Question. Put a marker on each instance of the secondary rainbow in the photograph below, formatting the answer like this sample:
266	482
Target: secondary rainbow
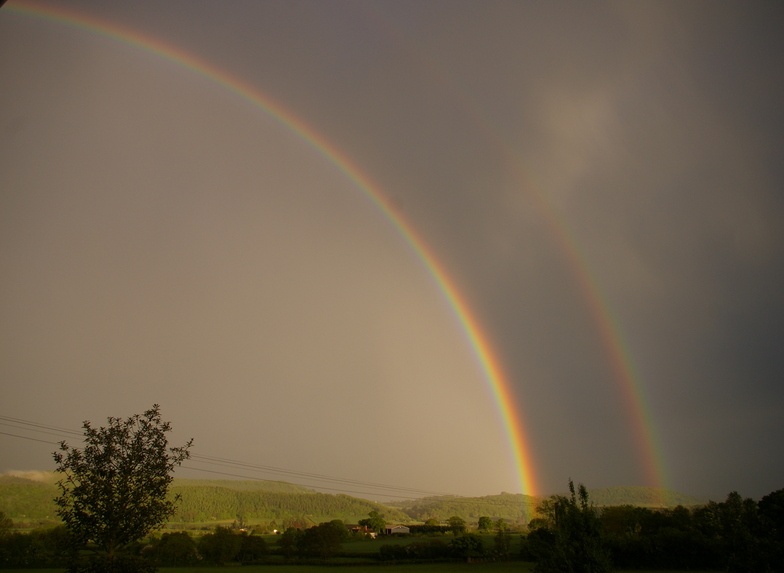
609	329
490	365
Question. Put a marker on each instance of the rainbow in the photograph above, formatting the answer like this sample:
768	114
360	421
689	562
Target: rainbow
490	364
609	329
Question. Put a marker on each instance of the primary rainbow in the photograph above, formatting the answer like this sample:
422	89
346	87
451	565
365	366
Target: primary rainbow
501	388
609	329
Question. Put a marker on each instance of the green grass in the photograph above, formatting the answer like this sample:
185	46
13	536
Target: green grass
499	567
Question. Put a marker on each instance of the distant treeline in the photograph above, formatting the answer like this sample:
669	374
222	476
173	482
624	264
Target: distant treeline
515	508
519	508
198	504
216	500
642	497
737	535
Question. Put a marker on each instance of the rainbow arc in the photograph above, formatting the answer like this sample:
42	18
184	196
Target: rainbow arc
510	412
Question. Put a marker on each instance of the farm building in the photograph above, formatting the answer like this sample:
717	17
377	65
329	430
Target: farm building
396	529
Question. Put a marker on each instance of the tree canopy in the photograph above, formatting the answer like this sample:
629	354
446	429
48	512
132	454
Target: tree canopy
374	521
114	490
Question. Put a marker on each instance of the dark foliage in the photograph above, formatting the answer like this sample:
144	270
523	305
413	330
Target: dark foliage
428	529
288	542
219	547
114	490
323	540
737	535
485	523
40	548
253	549
174	550
457	524
578	546
374	521
502	543
467	545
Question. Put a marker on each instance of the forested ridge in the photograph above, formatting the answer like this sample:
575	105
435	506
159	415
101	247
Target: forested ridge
642	497
220	503
520	508
244	485
511	507
210	500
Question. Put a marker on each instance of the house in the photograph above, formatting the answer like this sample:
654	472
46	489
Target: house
363	529
390	529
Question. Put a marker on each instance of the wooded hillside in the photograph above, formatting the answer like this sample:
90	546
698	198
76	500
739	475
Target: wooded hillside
211	500
516	508
220	503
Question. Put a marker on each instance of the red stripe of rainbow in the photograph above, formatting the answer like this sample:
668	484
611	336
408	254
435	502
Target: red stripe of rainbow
610	332
489	363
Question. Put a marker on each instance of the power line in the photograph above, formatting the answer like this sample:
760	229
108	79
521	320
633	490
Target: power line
342	490
28	425
36	427
28	438
321	477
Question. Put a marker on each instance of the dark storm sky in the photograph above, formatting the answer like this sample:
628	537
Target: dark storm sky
162	240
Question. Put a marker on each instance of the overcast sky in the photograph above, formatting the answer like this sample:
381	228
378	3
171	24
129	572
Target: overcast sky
164	241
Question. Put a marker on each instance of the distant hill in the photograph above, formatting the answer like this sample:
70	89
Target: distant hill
209	500
244	485
31	494
27	498
521	508
641	497
511	507
29	477
210	503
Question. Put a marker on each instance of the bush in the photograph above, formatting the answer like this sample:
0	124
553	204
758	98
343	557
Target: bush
174	549
467	545
221	546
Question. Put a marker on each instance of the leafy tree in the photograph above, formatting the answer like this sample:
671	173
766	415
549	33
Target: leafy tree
114	490
322	540
578	546
467	545
485	523
771	511
341	528
288	541
374	521
740	535
456	524
175	549
42	547
502	541
220	546
253	548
